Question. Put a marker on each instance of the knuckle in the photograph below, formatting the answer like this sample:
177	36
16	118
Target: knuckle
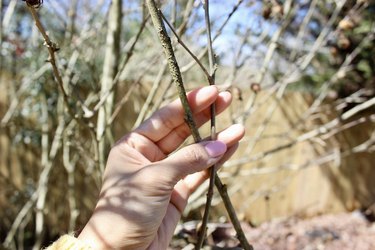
195	157
183	132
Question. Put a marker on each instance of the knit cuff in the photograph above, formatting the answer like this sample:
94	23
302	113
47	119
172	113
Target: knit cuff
68	242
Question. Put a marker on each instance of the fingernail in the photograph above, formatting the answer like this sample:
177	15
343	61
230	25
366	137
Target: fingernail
216	148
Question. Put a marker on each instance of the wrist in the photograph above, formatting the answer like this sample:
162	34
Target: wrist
91	238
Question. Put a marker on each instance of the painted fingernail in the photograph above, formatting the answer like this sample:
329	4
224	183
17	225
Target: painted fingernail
216	148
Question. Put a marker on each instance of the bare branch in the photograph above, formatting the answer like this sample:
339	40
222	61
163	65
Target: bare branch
211	79
52	49
173	66
176	75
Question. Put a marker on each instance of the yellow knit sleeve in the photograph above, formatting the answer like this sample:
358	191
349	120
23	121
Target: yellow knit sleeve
68	242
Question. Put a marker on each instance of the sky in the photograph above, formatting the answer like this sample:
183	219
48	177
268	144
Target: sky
246	17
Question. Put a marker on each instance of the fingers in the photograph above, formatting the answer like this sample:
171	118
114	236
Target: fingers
180	196
191	159
190	183
161	123
231	135
197	157
170	142
185	187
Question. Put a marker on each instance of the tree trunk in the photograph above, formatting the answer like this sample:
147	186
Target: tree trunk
110	69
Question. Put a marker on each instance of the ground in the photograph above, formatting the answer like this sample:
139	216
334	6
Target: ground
345	231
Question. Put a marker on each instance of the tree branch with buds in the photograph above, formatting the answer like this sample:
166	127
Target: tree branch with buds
165	41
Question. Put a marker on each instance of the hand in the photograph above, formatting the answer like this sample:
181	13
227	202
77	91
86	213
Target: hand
146	186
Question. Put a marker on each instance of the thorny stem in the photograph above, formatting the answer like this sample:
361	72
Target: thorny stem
177	78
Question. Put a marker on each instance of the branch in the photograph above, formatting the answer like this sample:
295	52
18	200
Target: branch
52	48
122	66
211	79
232	214
179	40
235	8
177	78
358	108
110	69
158	80
26	209
173	66
151	95
326	130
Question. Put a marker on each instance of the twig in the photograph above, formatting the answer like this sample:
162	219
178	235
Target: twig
237	62
52	49
327	130
288	77
38	196
302	28
163	97
15	102
123	100
358	108
122	66
177	78
71	27
318	161
178	33
20	217
70	166
9	12
322	36
151	95
234	9
274	43
173	66
43	179
21	231
48	155
186	48
211	79
344	68
282	84
232	214
219	31
110	69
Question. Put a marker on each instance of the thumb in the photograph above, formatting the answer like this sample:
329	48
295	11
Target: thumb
191	159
